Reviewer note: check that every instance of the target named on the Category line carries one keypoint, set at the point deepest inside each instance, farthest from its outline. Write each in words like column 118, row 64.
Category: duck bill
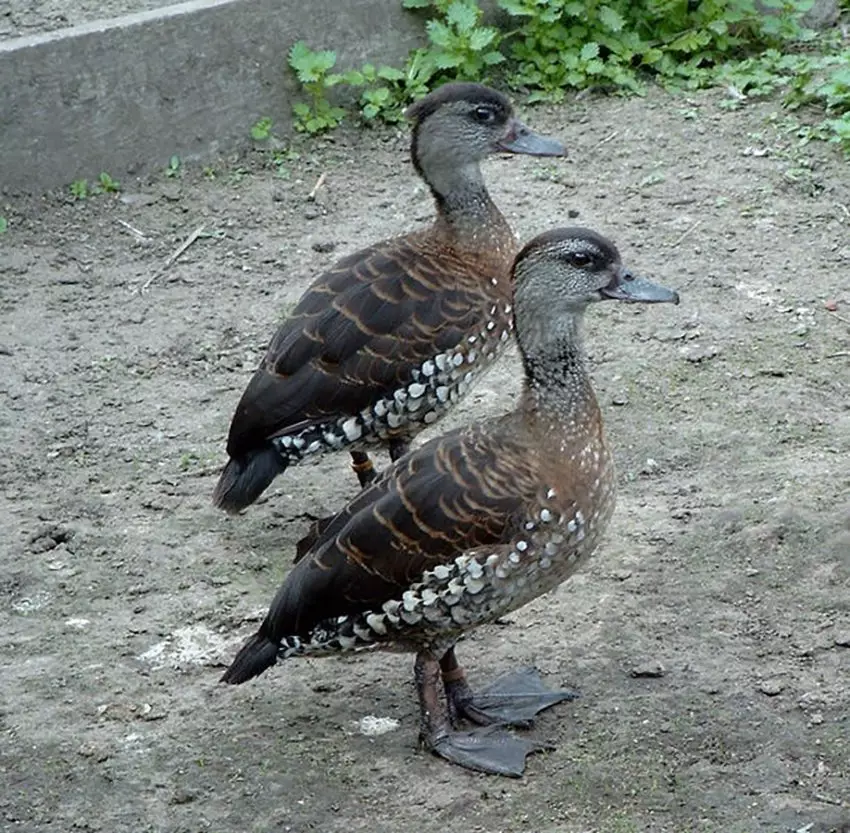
column 521, row 139
column 635, row 290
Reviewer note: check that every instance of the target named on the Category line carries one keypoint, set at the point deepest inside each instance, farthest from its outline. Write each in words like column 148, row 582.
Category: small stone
column 652, row 668
column 619, row 399
column 312, row 212
column 182, row 796
column 771, row 687
column 572, row 213
column 698, row 354
column 137, row 199
column 842, row 639
column 324, row 246
column 831, row 305
column 816, row 718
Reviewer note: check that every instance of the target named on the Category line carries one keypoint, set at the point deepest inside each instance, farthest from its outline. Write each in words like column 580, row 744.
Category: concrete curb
column 123, row 95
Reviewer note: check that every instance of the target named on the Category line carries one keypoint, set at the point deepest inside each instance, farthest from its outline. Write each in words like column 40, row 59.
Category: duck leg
column 513, row 699
column 363, row 468
column 486, row 749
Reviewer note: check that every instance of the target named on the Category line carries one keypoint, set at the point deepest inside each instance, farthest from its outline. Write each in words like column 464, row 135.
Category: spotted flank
column 437, row 385
column 473, row 589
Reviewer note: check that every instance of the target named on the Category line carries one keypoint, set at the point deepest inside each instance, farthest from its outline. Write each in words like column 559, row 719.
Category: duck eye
column 579, row 259
column 484, row 115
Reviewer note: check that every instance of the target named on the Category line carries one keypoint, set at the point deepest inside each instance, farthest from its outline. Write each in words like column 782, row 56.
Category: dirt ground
column 710, row 636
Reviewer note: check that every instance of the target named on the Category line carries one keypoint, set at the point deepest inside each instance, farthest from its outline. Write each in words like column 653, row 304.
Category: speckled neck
column 557, row 382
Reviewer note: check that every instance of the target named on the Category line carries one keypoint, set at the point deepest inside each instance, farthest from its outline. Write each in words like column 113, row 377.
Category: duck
column 473, row 524
column 386, row 340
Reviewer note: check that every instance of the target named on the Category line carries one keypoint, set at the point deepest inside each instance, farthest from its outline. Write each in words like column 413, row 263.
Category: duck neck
column 558, row 389
column 463, row 205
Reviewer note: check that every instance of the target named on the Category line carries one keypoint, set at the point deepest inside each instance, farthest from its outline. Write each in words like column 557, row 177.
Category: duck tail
column 245, row 478
column 255, row 656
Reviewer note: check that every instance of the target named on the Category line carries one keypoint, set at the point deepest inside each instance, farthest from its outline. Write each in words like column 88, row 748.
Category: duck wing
column 358, row 333
column 470, row 488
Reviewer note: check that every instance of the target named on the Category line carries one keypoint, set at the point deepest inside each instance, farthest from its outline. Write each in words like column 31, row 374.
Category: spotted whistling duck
column 387, row 339
column 475, row 523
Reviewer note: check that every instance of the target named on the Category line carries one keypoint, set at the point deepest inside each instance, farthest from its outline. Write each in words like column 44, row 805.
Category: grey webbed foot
column 513, row 699
column 487, row 749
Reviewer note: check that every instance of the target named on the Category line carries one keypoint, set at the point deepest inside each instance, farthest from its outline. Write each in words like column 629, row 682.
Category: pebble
column 831, row 305
column 842, row 639
column 652, row 668
column 698, row 354
column 324, row 246
column 771, row 687
column 620, row 399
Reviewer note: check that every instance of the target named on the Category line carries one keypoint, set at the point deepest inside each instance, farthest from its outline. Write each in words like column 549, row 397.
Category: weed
column 106, row 185
column 313, row 71
column 79, row 189
column 210, row 172
column 261, row 130
column 4, row 225
column 551, row 46
column 175, row 167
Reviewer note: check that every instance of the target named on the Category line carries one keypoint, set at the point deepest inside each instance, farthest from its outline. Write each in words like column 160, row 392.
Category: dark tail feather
column 244, row 479
column 255, row 656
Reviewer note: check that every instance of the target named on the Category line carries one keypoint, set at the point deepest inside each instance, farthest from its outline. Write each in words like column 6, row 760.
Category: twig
column 607, row 139
column 139, row 235
column 684, row 234
column 841, row 354
column 319, row 183
column 843, row 208
column 838, row 317
column 198, row 232
column 828, row 799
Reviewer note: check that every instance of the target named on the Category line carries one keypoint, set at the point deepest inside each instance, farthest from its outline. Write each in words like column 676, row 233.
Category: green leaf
column 589, row 50
column 438, row 33
column 481, row 38
column 462, row 16
column 445, row 60
column 390, row 74
column 301, row 109
column 493, row 58
column 611, row 19
column 416, row 4
column 4, row 225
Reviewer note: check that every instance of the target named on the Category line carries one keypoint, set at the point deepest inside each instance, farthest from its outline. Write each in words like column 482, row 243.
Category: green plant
column 551, row 46
column 175, row 167
column 261, row 129
column 4, row 225
column 79, row 189
column 210, row 172
column 460, row 47
column 313, row 71
column 106, row 184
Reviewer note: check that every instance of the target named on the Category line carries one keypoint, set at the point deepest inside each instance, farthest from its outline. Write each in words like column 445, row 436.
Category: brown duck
column 386, row 340
column 473, row 524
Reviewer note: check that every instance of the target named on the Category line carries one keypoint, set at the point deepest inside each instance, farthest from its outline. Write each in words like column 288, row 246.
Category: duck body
column 475, row 523
column 383, row 343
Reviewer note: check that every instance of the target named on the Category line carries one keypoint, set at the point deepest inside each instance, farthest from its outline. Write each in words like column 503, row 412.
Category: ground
column 709, row 637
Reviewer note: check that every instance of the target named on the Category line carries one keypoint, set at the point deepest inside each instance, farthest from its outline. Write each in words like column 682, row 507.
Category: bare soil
column 710, row 636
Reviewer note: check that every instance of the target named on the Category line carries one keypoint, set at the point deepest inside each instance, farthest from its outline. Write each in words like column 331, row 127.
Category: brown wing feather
column 466, row 489
column 359, row 332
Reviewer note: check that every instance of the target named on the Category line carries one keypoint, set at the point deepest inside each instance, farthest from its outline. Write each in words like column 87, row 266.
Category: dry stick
column 842, row 354
column 174, row 255
column 685, row 233
column 319, row 183
column 139, row 235
column 608, row 139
